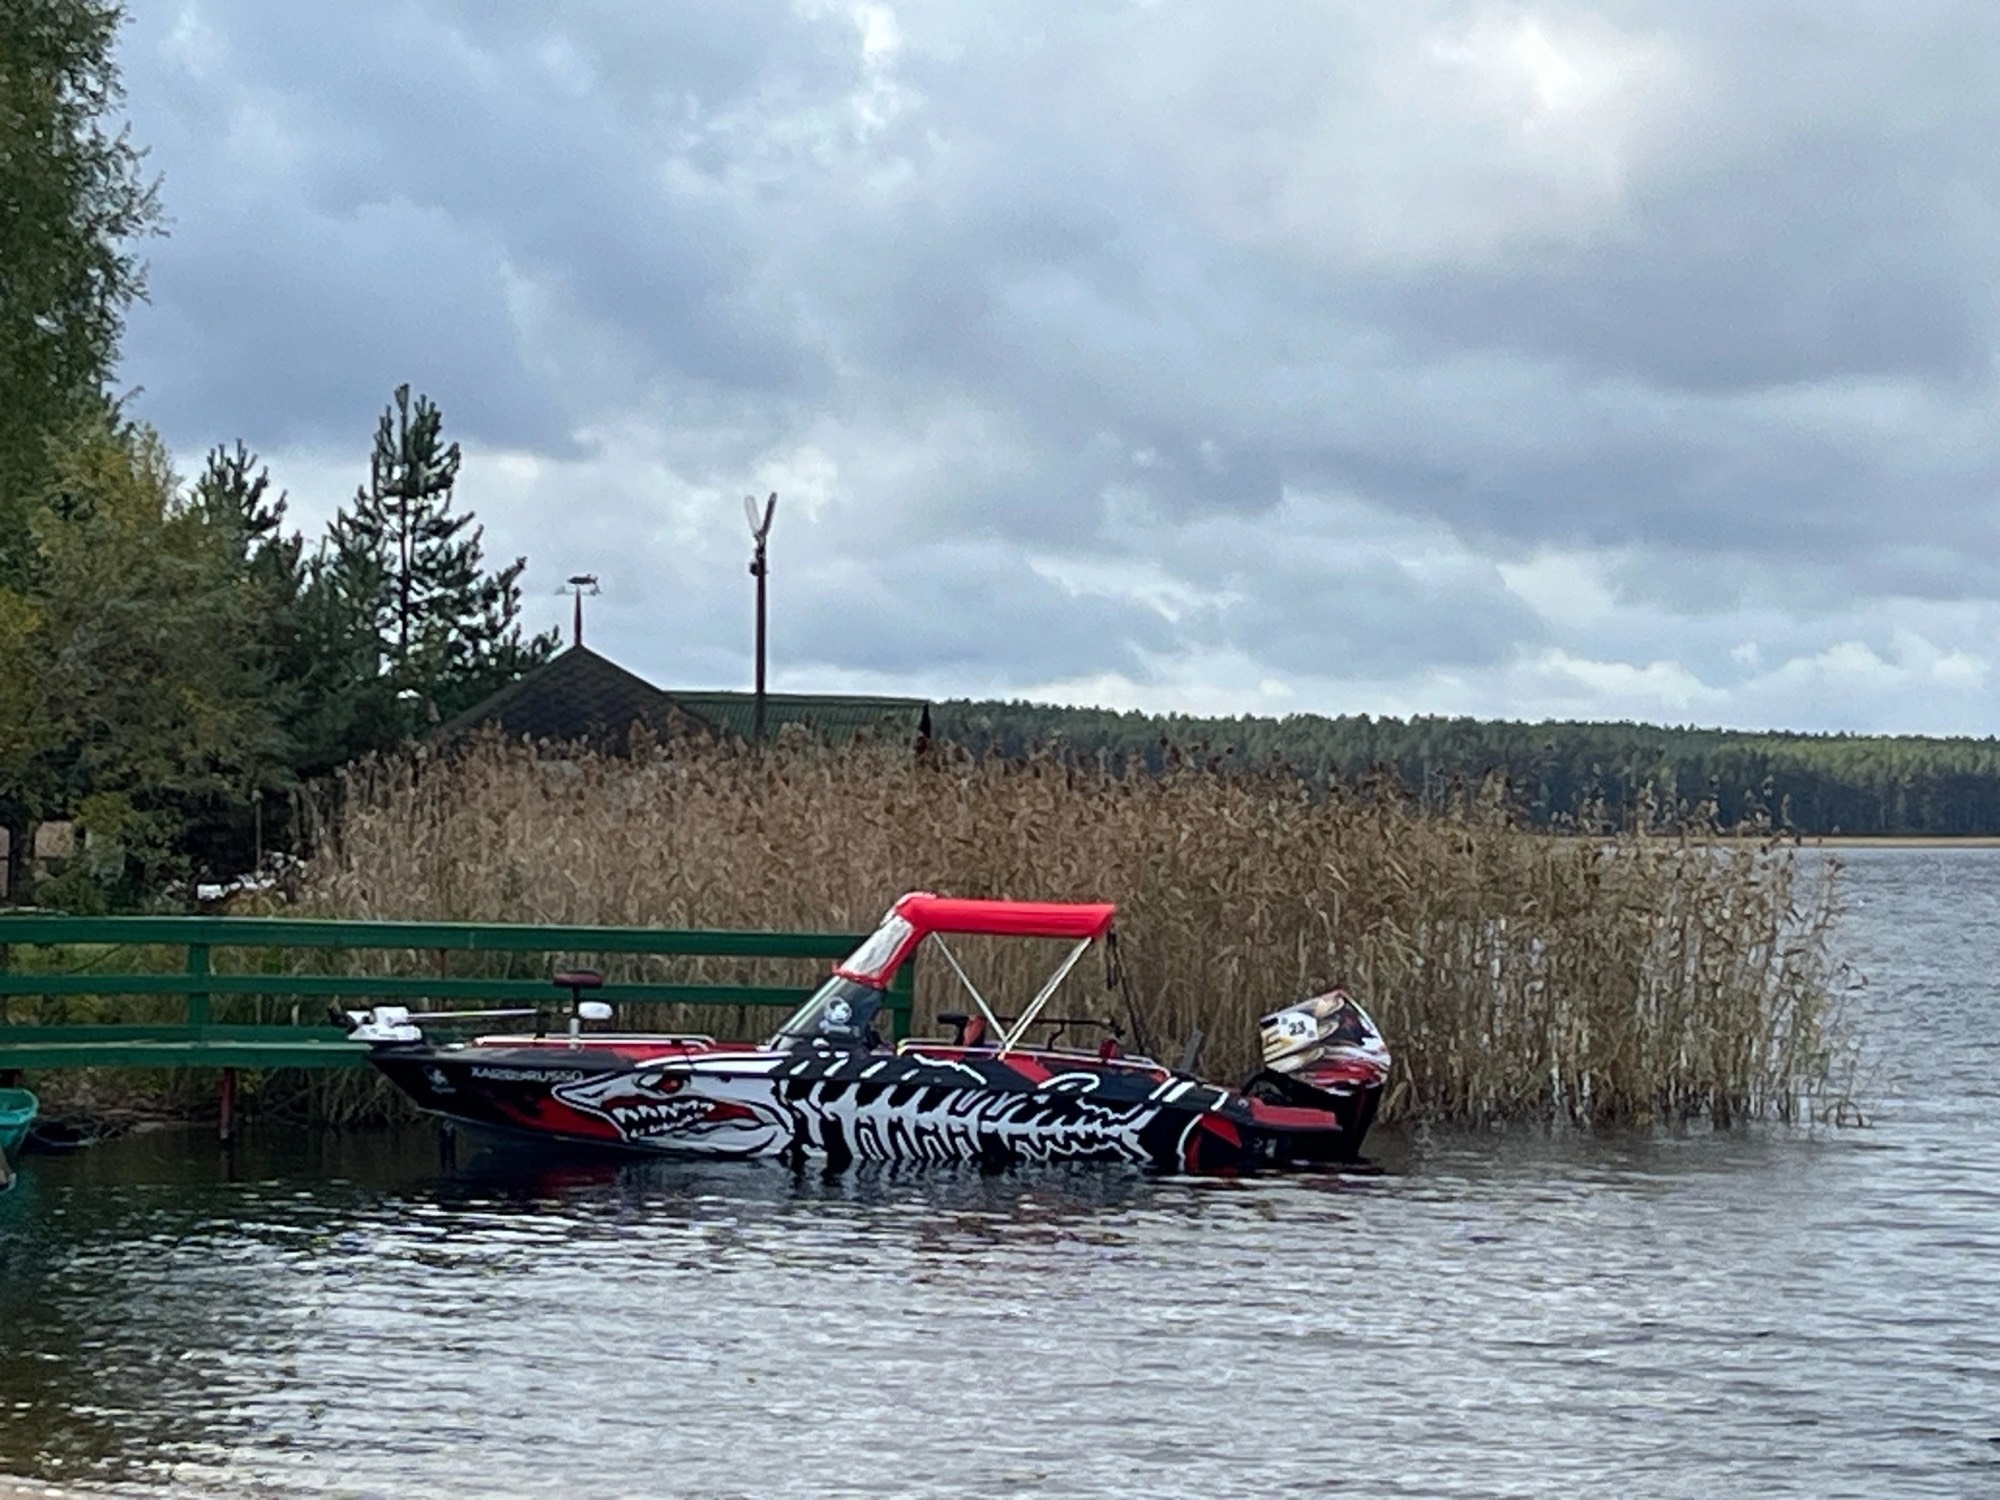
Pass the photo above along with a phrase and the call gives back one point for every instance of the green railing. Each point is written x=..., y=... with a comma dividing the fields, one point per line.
x=197, y=1039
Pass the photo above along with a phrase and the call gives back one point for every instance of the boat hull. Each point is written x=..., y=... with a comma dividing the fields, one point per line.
x=923, y=1104
x=18, y=1109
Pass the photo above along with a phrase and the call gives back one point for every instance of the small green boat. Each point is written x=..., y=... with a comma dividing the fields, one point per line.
x=18, y=1108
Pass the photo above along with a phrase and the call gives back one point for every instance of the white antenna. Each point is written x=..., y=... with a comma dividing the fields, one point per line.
x=759, y=529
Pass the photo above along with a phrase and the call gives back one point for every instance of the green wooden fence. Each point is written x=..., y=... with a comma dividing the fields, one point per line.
x=197, y=1040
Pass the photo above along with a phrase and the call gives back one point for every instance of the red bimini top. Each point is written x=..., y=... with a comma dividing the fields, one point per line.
x=920, y=914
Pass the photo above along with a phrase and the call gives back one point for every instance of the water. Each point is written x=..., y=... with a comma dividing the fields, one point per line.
x=1754, y=1312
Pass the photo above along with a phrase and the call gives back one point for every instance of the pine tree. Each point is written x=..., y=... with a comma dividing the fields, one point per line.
x=446, y=631
x=233, y=494
x=234, y=501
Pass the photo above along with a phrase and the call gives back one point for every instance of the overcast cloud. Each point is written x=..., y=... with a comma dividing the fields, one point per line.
x=1524, y=360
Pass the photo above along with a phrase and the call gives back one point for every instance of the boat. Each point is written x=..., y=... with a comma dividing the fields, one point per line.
x=825, y=1086
x=18, y=1109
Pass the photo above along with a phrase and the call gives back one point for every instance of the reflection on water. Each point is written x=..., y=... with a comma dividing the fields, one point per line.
x=1513, y=1313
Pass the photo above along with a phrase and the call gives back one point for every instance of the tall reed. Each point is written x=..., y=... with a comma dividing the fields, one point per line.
x=1515, y=974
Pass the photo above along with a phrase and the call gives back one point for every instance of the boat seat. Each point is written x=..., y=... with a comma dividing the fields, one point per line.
x=967, y=1031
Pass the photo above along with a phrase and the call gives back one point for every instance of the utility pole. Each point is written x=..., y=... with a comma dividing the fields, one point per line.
x=581, y=584
x=760, y=570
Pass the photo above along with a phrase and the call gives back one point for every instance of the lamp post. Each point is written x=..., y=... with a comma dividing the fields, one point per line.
x=760, y=531
x=581, y=584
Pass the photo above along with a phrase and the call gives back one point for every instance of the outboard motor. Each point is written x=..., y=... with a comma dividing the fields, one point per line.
x=1321, y=1054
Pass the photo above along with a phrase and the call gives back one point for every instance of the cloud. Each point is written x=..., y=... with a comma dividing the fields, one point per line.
x=1513, y=358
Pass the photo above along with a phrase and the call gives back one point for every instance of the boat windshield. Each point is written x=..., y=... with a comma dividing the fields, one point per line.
x=876, y=958
x=841, y=1012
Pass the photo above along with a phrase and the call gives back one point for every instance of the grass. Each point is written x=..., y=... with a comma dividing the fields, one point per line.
x=1516, y=974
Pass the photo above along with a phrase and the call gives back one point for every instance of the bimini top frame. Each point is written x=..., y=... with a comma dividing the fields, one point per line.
x=1013, y=1038
x=921, y=914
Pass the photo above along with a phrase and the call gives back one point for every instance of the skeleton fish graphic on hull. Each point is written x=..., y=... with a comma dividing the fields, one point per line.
x=897, y=1109
x=928, y=1114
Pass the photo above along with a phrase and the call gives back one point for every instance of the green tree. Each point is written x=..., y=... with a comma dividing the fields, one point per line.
x=161, y=721
x=446, y=631
x=234, y=499
x=346, y=704
x=73, y=203
x=26, y=725
x=234, y=495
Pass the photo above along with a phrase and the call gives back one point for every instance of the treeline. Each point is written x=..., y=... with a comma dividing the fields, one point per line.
x=1558, y=774
x=175, y=661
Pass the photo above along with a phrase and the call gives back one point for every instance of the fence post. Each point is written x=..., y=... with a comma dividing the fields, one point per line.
x=225, y=1112
x=197, y=1011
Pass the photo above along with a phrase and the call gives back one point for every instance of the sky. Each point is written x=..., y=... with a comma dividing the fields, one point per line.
x=1542, y=360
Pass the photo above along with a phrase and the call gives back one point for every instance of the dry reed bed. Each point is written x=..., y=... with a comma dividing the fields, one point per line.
x=1516, y=975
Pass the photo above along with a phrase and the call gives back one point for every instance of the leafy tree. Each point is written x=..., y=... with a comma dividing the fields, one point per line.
x=446, y=631
x=26, y=726
x=158, y=689
x=75, y=201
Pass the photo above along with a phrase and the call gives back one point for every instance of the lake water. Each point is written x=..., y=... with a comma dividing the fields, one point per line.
x=1758, y=1312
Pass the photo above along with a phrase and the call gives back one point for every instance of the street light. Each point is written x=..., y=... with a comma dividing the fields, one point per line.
x=760, y=570
x=581, y=584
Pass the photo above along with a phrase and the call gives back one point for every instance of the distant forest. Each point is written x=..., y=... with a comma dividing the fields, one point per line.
x=1558, y=774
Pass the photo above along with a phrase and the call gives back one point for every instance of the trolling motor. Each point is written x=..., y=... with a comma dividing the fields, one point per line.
x=576, y=981
x=380, y=1025
x=398, y=1025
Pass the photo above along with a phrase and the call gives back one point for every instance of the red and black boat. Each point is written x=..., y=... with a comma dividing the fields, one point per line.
x=826, y=1086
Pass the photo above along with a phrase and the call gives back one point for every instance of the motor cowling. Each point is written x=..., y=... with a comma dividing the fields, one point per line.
x=382, y=1025
x=1327, y=1045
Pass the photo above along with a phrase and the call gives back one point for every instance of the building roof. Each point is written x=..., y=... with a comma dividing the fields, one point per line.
x=580, y=695
x=577, y=695
x=839, y=718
